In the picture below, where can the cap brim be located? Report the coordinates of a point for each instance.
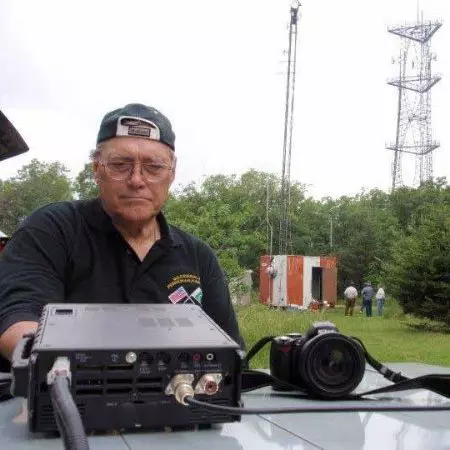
(11, 142)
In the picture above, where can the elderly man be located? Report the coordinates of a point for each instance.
(117, 248)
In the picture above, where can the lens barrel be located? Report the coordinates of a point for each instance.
(331, 365)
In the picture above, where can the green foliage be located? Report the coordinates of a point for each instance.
(35, 185)
(409, 204)
(364, 232)
(229, 214)
(420, 259)
(84, 185)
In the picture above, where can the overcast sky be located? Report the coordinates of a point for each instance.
(217, 70)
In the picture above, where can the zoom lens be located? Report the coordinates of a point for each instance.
(331, 365)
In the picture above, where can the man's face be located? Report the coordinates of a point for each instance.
(134, 176)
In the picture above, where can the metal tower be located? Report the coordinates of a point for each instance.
(285, 242)
(414, 83)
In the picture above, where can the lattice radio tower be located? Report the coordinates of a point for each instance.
(285, 241)
(414, 83)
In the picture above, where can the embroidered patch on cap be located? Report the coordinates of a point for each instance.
(135, 126)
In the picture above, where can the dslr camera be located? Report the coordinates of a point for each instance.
(322, 362)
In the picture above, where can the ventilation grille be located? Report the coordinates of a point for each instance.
(47, 420)
(164, 322)
(201, 414)
(94, 386)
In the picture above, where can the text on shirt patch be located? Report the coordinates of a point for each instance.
(183, 279)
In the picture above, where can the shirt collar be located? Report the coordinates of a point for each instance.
(96, 216)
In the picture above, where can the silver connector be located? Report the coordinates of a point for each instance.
(61, 367)
(208, 384)
(181, 387)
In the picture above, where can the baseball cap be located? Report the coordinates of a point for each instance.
(137, 120)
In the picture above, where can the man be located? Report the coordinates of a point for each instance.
(117, 248)
(367, 294)
(350, 295)
(380, 297)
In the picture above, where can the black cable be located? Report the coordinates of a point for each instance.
(255, 349)
(67, 415)
(317, 408)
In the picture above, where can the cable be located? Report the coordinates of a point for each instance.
(66, 413)
(315, 408)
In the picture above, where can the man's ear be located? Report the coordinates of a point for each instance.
(174, 169)
(96, 170)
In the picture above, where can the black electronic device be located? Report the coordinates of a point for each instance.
(126, 364)
(322, 362)
(11, 142)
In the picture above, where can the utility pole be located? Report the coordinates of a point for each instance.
(269, 226)
(331, 234)
(285, 243)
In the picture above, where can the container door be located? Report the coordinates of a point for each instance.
(279, 282)
(295, 280)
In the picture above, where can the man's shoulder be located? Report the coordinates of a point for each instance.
(180, 236)
(61, 213)
(188, 240)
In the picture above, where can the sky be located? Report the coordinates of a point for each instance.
(218, 71)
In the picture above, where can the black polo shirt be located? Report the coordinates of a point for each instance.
(71, 252)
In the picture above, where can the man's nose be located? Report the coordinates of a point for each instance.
(136, 176)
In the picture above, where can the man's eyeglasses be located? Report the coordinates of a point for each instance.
(123, 170)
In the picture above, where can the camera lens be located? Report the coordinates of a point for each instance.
(331, 365)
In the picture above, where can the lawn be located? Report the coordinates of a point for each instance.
(393, 337)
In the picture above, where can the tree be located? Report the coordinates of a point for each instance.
(420, 264)
(228, 212)
(85, 185)
(407, 204)
(35, 185)
(364, 232)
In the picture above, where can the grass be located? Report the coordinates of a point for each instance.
(391, 338)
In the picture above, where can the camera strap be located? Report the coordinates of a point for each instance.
(438, 383)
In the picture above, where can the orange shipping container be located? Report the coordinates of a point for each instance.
(294, 280)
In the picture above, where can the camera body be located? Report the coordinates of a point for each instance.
(322, 362)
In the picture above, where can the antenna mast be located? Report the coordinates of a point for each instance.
(414, 83)
(285, 242)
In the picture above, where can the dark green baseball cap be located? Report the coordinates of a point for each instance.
(137, 120)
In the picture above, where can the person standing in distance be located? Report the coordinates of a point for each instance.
(381, 298)
(117, 248)
(367, 294)
(350, 295)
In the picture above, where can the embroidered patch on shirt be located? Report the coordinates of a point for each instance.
(198, 295)
(184, 278)
(178, 295)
